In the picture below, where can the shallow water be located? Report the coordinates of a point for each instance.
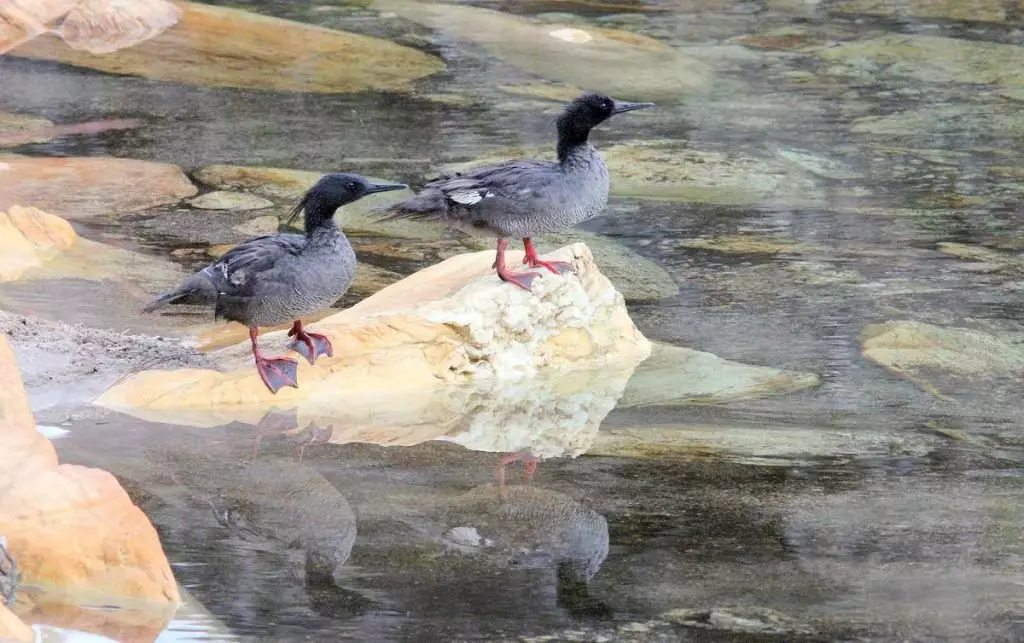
(909, 531)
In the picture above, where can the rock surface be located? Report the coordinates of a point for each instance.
(76, 187)
(72, 530)
(453, 323)
(979, 10)
(222, 200)
(224, 47)
(13, 629)
(97, 26)
(619, 62)
(29, 238)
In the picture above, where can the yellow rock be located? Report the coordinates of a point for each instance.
(453, 324)
(12, 629)
(29, 238)
(72, 530)
(76, 187)
(223, 47)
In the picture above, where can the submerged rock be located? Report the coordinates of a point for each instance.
(619, 62)
(17, 129)
(975, 10)
(739, 620)
(225, 47)
(452, 323)
(224, 200)
(78, 187)
(676, 375)
(914, 348)
(780, 446)
(72, 530)
(744, 245)
(933, 59)
(29, 238)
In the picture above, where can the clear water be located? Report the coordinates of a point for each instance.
(904, 544)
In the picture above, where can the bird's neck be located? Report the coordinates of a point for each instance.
(572, 137)
(319, 219)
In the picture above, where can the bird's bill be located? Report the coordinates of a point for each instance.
(622, 106)
(385, 187)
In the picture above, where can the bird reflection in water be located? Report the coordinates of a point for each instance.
(277, 423)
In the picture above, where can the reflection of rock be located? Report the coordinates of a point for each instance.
(450, 324)
(619, 62)
(97, 26)
(29, 238)
(72, 530)
(78, 188)
(104, 26)
(12, 629)
(224, 200)
(677, 375)
(529, 527)
(636, 277)
(224, 47)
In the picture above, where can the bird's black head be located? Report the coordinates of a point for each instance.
(333, 191)
(585, 113)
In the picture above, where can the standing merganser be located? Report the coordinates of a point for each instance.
(278, 278)
(524, 198)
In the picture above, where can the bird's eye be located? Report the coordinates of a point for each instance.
(352, 185)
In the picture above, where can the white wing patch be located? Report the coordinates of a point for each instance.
(466, 197)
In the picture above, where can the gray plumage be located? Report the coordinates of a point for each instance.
(523, 198)
(271, 280)
(278, 278)
(517, 199)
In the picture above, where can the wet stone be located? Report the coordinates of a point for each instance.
(222, 200)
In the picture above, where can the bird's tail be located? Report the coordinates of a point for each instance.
(428, 204)
(195, 291)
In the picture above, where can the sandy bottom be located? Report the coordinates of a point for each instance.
(64, 365)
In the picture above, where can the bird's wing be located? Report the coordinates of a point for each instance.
(512, 182)
(249, 264)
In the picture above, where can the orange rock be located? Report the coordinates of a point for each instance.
(13, 629)
(72, 530)
(30, 237)
(76, 188)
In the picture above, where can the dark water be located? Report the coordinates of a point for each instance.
(912, 538)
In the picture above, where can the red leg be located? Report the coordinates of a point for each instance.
(276, 372)
(521, 279)
(529, 467)
(531, 259)
(309, 345)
